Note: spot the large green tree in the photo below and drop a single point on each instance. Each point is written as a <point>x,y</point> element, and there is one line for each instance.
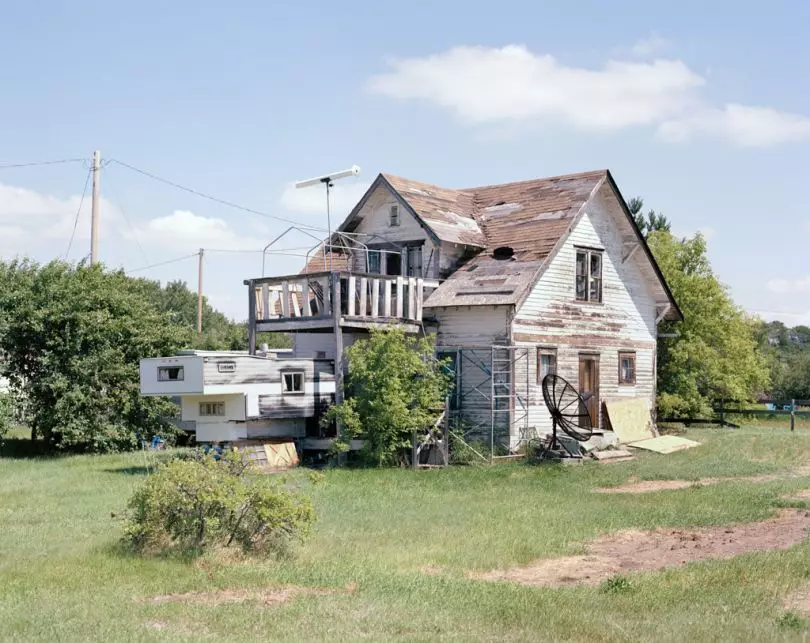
<point>651,222</point>
<point>714,352</point>
<point>71,339</point>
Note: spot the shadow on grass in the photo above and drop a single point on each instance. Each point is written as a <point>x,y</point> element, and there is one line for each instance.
<point>25,448</point>
<point>131,471</point>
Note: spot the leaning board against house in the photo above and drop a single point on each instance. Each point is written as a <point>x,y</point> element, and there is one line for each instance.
<point>233,396</point>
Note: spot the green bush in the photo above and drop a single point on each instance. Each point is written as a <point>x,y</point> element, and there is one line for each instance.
<point>196,504</point>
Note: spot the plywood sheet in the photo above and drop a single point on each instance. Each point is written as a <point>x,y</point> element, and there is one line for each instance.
<point>281,455</point>
<point>665,444</point>
<point>630,419</point>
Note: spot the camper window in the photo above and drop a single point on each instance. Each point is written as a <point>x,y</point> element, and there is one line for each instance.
<point>170,373</point>
<point>212,408</point>
<point>292,383</point>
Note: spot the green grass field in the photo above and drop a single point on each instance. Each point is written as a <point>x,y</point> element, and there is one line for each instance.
<point>63,576</point>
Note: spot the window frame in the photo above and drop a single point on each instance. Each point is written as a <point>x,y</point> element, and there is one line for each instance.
<point>590,279</point>
<point>166,369</point>
<point>632,356</point>
<point>410,265</point>
<point>393,215</point>
<point>215,406</point>
<point>299,373</point>
<point>541,351</point>
<point>376,255</point>
<point>226,367</point>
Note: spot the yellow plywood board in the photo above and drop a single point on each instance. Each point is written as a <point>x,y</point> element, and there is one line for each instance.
<point>630,419</point>
<point>665,444</point>
<point>281,455</point>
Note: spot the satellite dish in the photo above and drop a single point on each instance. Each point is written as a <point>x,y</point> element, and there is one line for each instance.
<point>568,410</point>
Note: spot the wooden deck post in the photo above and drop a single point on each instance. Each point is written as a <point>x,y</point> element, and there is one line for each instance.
<point>375,297</point>
<point>350,296</point>
<point>400,296</point>
<point>338,337</point>
<point>251,318</point>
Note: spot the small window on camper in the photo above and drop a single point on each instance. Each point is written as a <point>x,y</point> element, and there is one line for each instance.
<point>627,368</point>
<point>212,408</point>
<point>226,367</point>
<point>170,373</point>
<point>393,215</point>
<point>588,283</point>
<point>292,383</point>
<point>546,363</point>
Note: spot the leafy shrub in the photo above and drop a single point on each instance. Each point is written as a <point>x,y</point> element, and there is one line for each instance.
<point>616,585</point>
<point>396,385</point>
<point>791,621</point>
<point>200,503</point>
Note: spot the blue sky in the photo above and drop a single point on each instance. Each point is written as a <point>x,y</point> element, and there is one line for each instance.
<point>702,108</point>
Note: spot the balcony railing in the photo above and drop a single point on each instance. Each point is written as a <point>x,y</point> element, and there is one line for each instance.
<point>350,297</point>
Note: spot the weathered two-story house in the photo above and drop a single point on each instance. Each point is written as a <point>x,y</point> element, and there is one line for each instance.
<point>515,280</point>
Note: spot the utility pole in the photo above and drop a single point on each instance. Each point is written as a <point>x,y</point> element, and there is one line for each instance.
<point>200,291</point>
<point>94,210</point>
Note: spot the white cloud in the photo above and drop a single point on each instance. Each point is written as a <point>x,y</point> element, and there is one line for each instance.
<point>312,200</point>
<point>25,211</point>
<point>741,124</point>
<point>498,86</point>
<point>790,286</point>
<point>650,46</point>
<point>184,230</point>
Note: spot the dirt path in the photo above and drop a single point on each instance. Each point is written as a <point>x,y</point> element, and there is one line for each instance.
<point>646,551</point>
<point>634,485</point>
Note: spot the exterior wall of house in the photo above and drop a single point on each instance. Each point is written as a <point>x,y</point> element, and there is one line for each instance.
<point>624,321</point>
<point>474,330</point>
<point>376,223</point>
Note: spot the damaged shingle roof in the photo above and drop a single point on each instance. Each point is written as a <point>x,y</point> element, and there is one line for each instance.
<point>529,217</point>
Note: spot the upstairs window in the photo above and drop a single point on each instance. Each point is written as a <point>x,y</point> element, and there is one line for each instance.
<point>292,383</point>
<point>589,275</point>
<point>374,261</point>
<point>546,363</point>
<point>414,261</point>
<point>393,216</point>
<point>170,374</point>
<point>627,368</point>
<point>212,409</point>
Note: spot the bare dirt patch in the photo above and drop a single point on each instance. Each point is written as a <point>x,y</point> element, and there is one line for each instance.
<point>634,485</point>
<point>266,596</point>
<point>798,600</point>
<point>646,551</point>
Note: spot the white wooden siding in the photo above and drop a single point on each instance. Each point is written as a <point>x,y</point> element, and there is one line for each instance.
<point>375,222</point>
<point>625,320</point>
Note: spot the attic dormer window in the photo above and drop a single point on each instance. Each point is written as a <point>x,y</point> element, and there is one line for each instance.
<point>393,216</point>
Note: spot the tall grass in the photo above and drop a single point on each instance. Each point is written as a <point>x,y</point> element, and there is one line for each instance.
<point>405,539</point>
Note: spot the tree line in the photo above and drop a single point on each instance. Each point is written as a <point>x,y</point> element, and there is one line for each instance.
<point>72,337</point>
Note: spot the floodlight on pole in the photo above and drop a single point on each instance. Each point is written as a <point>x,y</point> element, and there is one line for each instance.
<point>328,181</point>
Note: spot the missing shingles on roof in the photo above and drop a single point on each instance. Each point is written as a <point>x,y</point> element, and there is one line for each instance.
<point>478,291</point>
<point>503,252</point>
<point>473,267</point>
<point>496,281</point>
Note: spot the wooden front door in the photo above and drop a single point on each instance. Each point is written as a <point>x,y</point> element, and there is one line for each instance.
<point>589,385</point>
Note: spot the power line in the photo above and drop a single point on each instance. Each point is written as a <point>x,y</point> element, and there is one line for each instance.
<point>78,212</point>
<point>6,166</point>
<point>126,218</point>
<point>163,263</point>
<point>208,196</point>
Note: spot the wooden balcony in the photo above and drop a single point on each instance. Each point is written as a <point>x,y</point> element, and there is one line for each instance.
<point>320,302</point>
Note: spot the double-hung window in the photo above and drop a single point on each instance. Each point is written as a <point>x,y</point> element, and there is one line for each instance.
<point>546,363</point>
<point>588,275</point>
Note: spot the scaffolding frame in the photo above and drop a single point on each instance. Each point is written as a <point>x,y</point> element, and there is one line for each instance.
<point>491,394</point>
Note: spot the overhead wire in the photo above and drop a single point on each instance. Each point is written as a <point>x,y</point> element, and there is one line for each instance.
<point>164,263</point>
<point>78,213</point>
<point>123,213</point>
<point>203,195</point>
<point>6,166</point>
